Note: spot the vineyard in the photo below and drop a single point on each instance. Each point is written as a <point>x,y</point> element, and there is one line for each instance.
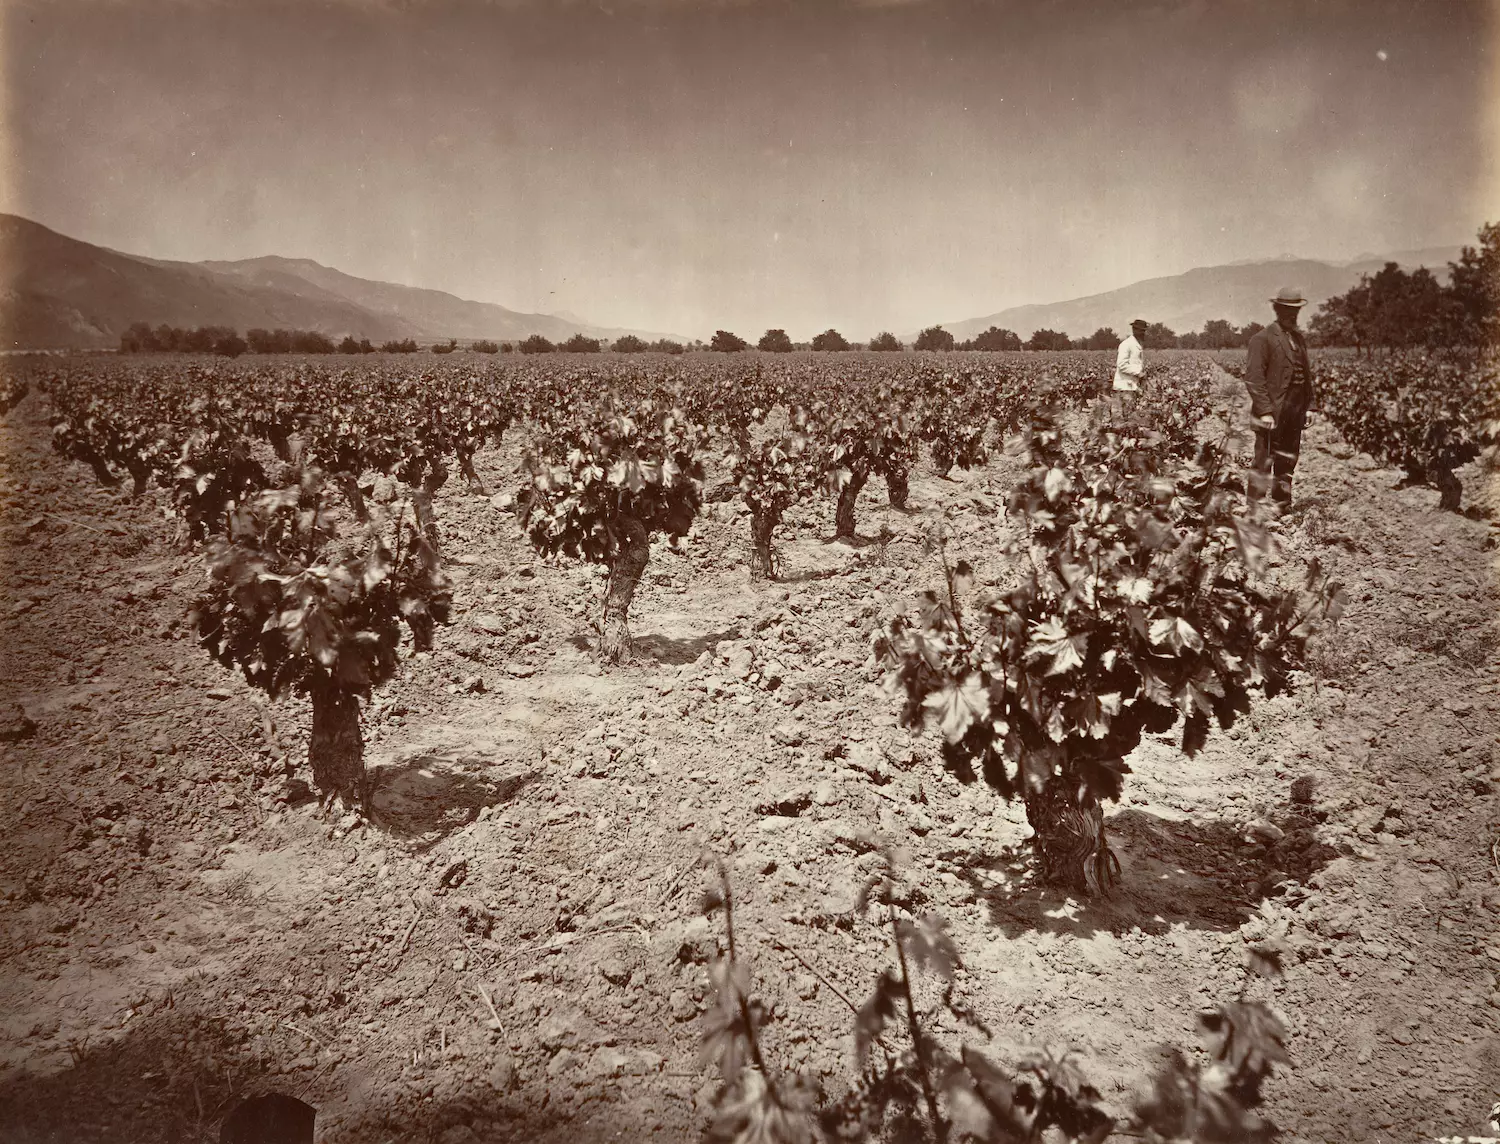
<point>778,747</point>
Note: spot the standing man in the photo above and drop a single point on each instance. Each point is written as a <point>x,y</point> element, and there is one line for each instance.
<point>1279,379</point>
<point>1130,361</point>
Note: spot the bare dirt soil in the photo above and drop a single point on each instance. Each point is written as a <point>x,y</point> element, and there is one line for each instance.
<point>512,950</point>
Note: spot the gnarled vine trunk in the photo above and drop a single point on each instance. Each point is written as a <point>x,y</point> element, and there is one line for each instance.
<point>843,516</point>
<point>349,483</point>
<point>336,751</point>
<point>1450,489</point>
<point>624,574</point>
<point>140,477</point>
<point>1070,841</point>
<point>897,485</point>
<point>466,467</point>
<point>762,529</point>
<point>101,471</point>
<point>421,500</point>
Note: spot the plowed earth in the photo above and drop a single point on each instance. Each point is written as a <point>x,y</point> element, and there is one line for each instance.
<point>512,951</point>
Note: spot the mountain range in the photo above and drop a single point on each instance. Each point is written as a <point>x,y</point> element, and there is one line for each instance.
<point>57,292</point>
<point>1238,292</point>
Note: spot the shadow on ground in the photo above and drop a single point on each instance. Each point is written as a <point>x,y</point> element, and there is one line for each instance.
<point>675,652</point>
<point>428,796</point>
<point>176,1075</point>
<point>1205,875</point>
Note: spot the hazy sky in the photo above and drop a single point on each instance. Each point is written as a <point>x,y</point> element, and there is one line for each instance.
<point>681,165</point>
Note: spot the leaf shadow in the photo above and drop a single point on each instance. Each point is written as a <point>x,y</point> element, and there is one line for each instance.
<point>1204,875</point>
<point>669,650</point>
<point>425,797</point>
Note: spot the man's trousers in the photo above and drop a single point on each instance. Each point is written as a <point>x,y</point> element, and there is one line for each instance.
<point>1277,450</point>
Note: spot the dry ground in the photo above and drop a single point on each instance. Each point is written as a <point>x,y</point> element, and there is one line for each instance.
<point>512,951</point>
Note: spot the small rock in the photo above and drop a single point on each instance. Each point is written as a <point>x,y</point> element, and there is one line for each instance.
<point>488,622</point>
<point>1265,830</point>
<point>561,1062</point>
<point>473,684</point>
<point>607,1061</point>
<point>788,733</point>
<point>557,1030</point>
<point>615,971</point>
<point>218,693</point>
<point>502,1073</point>
<point>681,1006</point>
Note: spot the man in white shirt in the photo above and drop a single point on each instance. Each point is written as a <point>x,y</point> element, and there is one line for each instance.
<point>1130,362</point>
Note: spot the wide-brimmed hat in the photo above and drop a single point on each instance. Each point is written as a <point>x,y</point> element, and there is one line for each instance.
<point>1139,324</point>
<point>1289,296</point>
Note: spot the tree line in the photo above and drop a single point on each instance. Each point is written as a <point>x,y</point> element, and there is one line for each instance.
<point>145,338</point>
<point>1393,309</point>
<point>1217,334</point>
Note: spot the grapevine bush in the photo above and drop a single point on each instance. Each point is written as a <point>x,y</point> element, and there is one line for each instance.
<point>1143,604</point>
<point>1427,412</point>
<point>293,607</point>
<point>601,484</point>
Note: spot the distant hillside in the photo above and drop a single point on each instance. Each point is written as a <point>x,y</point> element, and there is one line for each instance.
<point>1184,302</point>
<point>58,292</point>
<point>437,314</point>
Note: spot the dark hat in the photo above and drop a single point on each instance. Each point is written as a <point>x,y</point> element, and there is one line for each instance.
<point>1289,296</point>
<point>1139,324</point>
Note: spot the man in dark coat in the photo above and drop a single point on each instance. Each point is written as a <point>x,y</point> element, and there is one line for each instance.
<point>1279,378</point>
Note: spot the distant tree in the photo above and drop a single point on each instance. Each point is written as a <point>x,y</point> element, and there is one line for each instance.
<point>507,348</point>
<point>311,342</point>
<point>536,344</point>
<point>1158,337</point>
<point>1394,310</point>
<point>993,340</point>
<point>140,338</point>
<point>409,346</point>
<point>886,342</point>
<point>774,342</point>
<point>934,338</point>
<point>1103,338</point>
<point>1474,290</point>
<point>1045,339</point>
<point>267,341</point>
<point>667,346</point>
<point>439,348</point>
<point>348,345</point>
<point>726,343</point>
<point>484,347</point>
<point>1217,334</point>
<point>199,340</point>
<point>628,344</point>
<point>230,344</point>
<point>578,344</point>
<point>830,340</point>
<point>1248,331</point>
